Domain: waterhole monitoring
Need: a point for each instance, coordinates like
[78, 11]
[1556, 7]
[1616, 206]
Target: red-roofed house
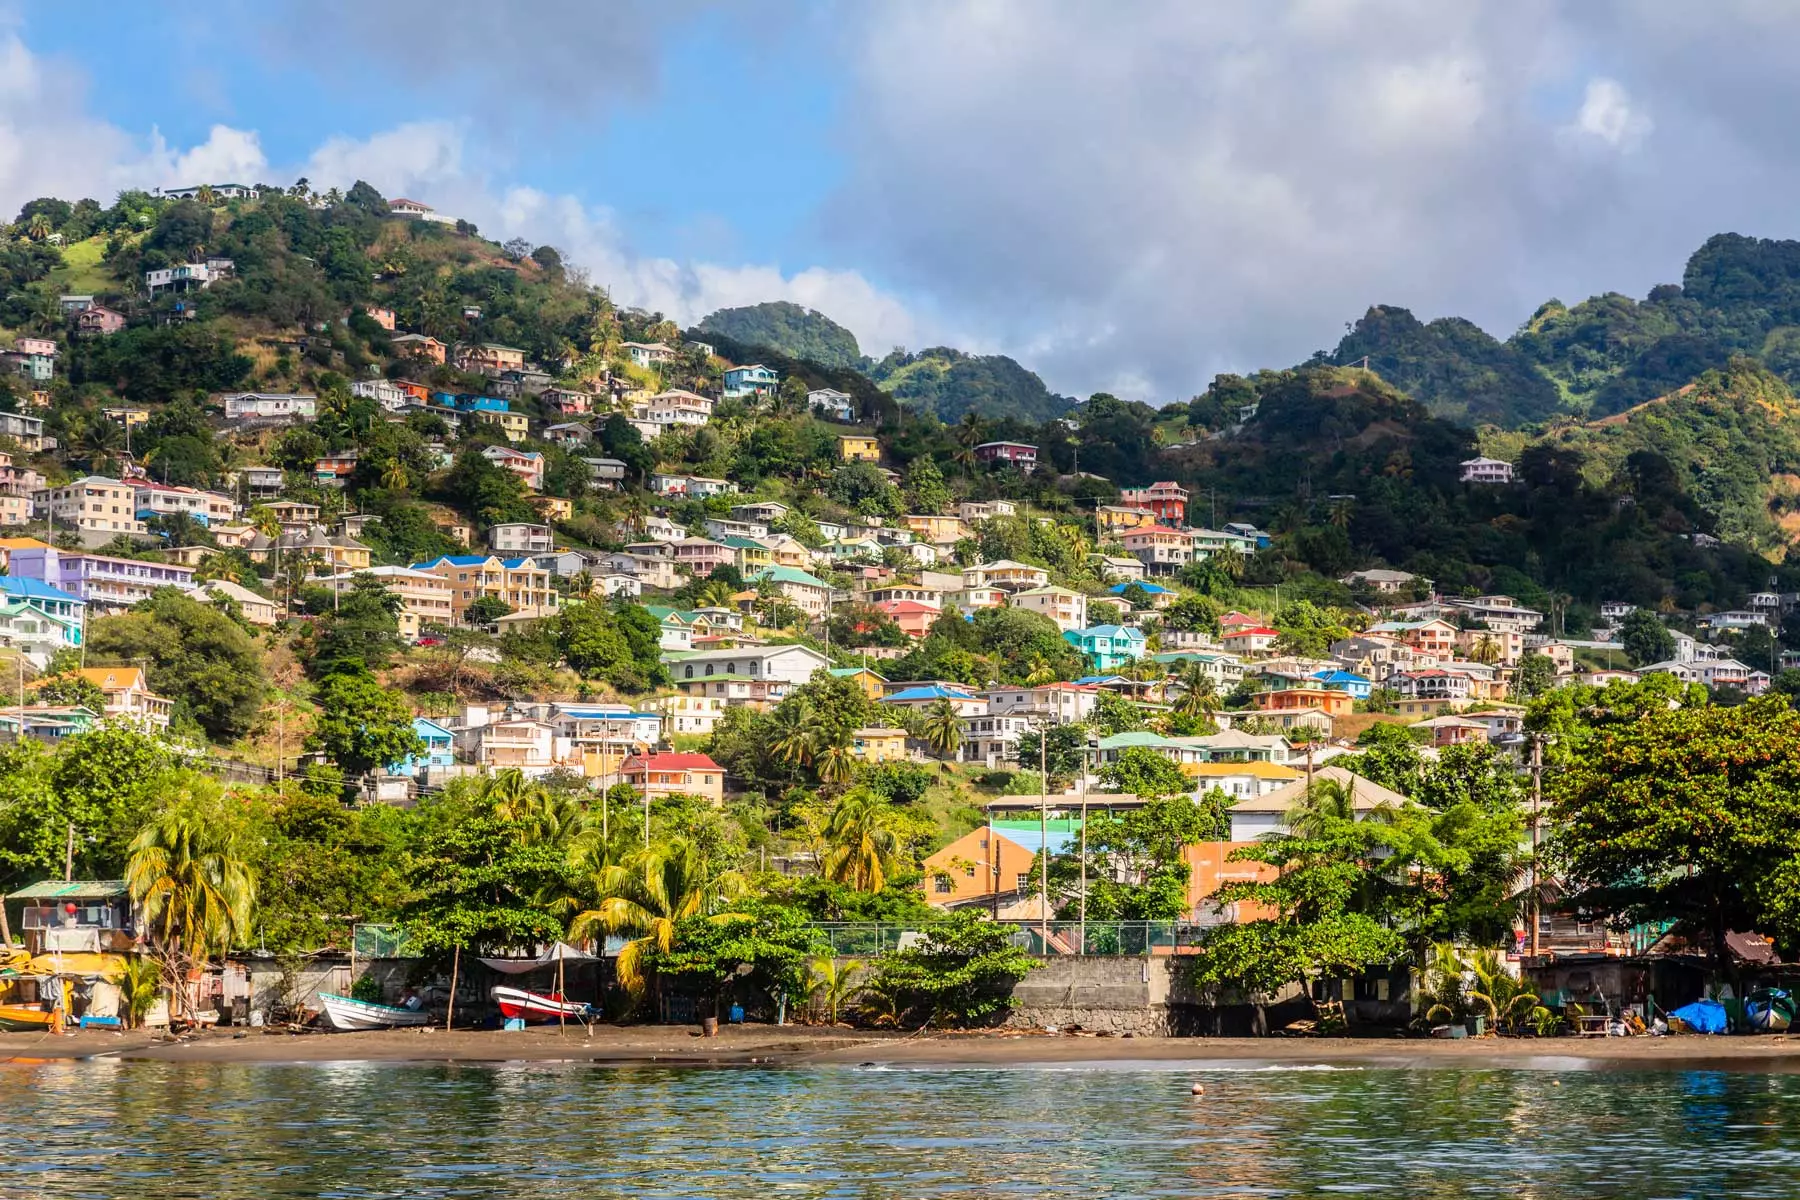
[675, 774]
[913, 618]
[1250, 639]
[1236, 620]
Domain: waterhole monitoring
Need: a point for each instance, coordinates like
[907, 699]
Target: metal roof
[76, 889]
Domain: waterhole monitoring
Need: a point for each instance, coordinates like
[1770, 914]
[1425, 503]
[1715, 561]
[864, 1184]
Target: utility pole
[1044, 837]
[1537, 797]
[69, 854]
[1082, 946]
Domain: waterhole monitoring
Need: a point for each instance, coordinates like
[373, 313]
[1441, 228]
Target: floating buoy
[1199, 1089]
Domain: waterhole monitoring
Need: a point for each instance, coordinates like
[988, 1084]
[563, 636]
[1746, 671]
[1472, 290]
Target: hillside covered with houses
[330, 487]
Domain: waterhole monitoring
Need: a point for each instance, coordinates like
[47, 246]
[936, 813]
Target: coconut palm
[512, 795]
[793, 736]
[943, 728]
[38, 227]
[1487, 649]
[1199, 695]
[195, 891]
[860, 845]
[1505, 996]
[834, 761]
[394, 477]
[1039, 672]
[830, 985]
[205, 195]
[715, 593]
[647, 895]
[218, 566]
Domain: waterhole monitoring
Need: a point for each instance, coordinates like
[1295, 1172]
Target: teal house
[440, 750]
[1108, 647]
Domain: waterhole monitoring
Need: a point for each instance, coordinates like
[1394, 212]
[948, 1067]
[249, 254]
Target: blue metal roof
[1155, 589]
[36, 589]
[926, 693]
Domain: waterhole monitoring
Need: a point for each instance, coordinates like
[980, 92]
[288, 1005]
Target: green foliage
[787, 327]
[474, 880]
[1450, 365]
[948, 383]
[360, 633]
[1113, 714]
[1144, 772]
[1645, 638]
[960, 974]
[71, 690]
[361, 725]
[193, 654]
[1136, 869]
[618, 645]
[1691, 815]
[706, 952]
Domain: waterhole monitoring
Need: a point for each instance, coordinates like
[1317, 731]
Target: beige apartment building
[93, 504]
[521, 584]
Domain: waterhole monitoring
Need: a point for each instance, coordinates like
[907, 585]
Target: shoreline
[796, 1046]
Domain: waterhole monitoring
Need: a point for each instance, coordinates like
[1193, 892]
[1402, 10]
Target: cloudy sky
[1129, 195]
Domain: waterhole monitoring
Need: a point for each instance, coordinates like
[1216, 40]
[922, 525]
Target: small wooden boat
[516, 1003]
[1769, 1010]
[343, 1013]
[23, 1018]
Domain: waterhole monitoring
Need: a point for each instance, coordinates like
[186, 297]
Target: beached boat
[1769, 1010]
[343, 1013]
[516, 1003]
[23, 1018]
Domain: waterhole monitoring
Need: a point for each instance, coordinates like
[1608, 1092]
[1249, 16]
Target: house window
[1024, 881]
[969, 872]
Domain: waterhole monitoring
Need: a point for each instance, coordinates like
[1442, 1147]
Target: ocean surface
[113, 1129]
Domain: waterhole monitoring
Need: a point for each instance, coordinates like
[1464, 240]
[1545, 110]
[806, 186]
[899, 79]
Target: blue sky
[649, 158]
[1128, 196]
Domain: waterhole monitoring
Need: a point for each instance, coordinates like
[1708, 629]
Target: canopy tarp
[1702, 1016]
[558, 952]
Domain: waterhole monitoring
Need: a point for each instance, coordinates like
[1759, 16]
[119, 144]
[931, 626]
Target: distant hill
[1738, 296]
[1452, 366]
[950, 383]
[797, 332]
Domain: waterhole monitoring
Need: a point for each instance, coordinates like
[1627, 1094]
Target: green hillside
[949, 383]
[789, 329]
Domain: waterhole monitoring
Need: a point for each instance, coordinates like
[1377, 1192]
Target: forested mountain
[949, 383]
[780, 325]
[1738, 295]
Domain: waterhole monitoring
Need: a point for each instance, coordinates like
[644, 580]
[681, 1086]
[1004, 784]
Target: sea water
[145, 1129]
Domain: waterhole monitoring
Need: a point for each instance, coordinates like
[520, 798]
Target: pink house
[1022, 455]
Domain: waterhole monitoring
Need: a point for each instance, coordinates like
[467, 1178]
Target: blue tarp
[1702, 1016]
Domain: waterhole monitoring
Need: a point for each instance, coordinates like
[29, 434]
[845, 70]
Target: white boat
[343, 1013]
[517, 1003]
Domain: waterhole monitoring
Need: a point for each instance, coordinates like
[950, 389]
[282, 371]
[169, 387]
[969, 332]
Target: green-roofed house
[1178, 752]
[808, 593]
[677, 627]
[872, 685]
[750, 556]
[103, 916]
[1108, 647]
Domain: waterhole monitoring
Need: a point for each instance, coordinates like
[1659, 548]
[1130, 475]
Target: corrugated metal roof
[74, 889]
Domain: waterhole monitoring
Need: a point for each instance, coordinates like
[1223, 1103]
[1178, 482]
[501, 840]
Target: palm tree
[1200, 694]
[205, 195]
[38, 227]
[834, 761]
[859, 843]
[1040, 672]
[218, 566]
[646, 896]
[831, 985]
[394, 477]
[512, 795]
[1487, 649]
[195, 891]
[1504, 996]
[792, 741]
[264, 521]
[100, 439]
[138, 981]
[943, 728]
[715, 593]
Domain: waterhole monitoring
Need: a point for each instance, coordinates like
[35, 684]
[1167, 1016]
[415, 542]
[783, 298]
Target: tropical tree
[138, 980]
[1199, 692]
[646, 896]
[860, 843]
[834, 761]
[831, 984]
[793, 737]
[195, 888]
[943, 728]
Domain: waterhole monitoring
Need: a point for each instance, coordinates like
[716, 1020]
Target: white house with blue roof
[66, 611]
[1358, 686]
[929, 695]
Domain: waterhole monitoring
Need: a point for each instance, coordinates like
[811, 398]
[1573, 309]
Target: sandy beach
[763, 1045]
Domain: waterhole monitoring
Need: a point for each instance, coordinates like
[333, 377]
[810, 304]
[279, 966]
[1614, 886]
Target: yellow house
[868, 682]
[856, 447]
[516, 426]
[936, 529]
[878, 745]
[1115, 519]
[553, 508]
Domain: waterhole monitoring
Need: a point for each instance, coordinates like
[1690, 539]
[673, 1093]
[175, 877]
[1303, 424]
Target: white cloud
[1607, 115]
[48, 147]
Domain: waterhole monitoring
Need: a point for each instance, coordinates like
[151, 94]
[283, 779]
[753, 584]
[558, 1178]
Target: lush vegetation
[782, 325]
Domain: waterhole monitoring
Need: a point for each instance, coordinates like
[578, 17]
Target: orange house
[675, 774]
[1210, 867]
[1330, 701]
[969, 868]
